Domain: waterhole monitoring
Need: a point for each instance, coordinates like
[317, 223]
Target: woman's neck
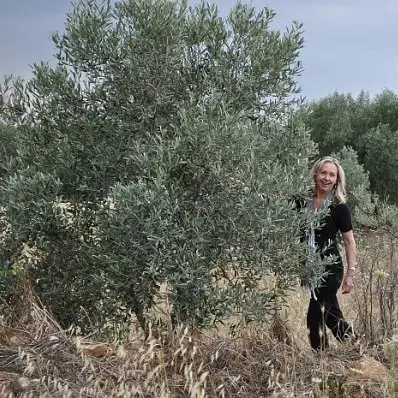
[320, 197]
[318, 200]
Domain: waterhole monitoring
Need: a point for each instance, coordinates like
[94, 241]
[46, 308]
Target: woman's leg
[325, 311]
[321, 304]
[335, 322]
[316, 325]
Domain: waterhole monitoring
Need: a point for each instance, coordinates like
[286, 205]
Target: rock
[363, 374]
[20, 384]
[12, 384]
[367, 368]
[11, 337]
[15, 341]
[95, 349]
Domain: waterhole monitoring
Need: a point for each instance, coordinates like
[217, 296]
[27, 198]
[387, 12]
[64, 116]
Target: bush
[159, 151]
[359, 198]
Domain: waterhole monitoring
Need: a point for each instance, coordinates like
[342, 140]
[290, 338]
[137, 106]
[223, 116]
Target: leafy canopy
[158, 157]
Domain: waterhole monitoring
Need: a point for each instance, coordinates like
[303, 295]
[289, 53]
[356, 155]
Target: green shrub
[159, 151]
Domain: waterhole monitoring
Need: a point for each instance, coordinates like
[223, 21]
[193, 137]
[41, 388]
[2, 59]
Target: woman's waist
[329, 245]
[329, 251]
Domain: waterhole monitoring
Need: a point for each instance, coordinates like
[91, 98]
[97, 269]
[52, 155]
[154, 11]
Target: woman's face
[326, 178]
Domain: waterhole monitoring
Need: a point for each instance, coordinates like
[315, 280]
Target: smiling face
[326, 178]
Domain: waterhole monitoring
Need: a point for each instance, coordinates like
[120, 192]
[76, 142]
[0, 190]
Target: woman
[329, 191]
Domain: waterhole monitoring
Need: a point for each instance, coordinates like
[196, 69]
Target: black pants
[324, 310]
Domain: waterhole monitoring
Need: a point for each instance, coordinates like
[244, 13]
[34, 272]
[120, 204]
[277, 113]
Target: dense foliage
[157, 158]
[369, 126]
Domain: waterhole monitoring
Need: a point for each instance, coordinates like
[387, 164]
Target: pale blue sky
[349, 44]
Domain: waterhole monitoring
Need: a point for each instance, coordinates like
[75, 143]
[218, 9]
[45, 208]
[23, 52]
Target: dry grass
[38, 359]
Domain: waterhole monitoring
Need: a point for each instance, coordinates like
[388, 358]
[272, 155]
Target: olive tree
[158, 160]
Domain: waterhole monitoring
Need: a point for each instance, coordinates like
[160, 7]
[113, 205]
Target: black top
[337, 219]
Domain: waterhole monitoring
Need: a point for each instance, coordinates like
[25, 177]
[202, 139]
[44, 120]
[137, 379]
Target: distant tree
[384, 110]
[158, 151]
[369, 126]
[329, 121]
[380, 154]
[359, 194]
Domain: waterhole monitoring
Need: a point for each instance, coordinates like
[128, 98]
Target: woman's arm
[351, 255]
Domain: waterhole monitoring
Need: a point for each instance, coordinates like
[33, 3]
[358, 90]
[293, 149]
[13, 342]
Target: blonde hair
[339, 192]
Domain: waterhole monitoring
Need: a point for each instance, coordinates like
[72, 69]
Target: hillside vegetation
[150, 243]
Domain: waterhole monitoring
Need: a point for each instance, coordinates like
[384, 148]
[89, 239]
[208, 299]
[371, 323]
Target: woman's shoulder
[341, 208]
[340, 205]
[342, 216]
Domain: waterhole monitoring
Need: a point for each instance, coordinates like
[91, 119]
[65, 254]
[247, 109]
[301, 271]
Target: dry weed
[38, 359]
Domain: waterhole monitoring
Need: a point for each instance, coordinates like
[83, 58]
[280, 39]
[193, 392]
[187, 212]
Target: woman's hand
[348, 284]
